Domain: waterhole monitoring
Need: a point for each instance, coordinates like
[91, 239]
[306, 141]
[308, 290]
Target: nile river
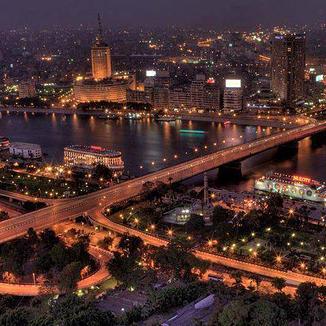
[148, 145]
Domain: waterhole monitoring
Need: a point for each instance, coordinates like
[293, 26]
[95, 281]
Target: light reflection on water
[142, 142]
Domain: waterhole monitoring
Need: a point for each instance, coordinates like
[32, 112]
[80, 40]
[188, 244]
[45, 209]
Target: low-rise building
[89, 156]
[110, 90]
[26, 150]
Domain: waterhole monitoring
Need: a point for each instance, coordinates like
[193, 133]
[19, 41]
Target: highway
[61, 210]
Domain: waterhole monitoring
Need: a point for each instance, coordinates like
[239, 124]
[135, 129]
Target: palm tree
[278, 283]
[257, 280]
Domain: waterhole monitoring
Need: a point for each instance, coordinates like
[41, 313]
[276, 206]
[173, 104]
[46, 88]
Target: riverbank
[243, 119]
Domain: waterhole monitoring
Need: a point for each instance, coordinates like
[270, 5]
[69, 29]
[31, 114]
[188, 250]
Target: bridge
[70, 208]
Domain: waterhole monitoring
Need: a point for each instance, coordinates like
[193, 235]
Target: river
[148, 145]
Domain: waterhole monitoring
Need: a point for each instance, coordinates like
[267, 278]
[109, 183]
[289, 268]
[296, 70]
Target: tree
[74, 311]
[235, 313]
[306, 298]
[278, 283]
[196, 223]
[3, 216]
[15, 254]
[264, 312]
[15, 317]
[125, 269]
[48, 239]
[105, 243]
[257, 278]
[285, 302]
[59, 255]
[177, 259]
[221, 215]
[69, 276]
[274, 205]
[125, 265]
[32, 236]
[102, 172]
[131, 246]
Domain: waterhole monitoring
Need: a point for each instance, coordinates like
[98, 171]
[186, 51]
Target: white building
[90, 156]
[26, 150]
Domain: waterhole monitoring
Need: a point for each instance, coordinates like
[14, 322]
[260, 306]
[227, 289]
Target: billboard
[319, 78]
[233, 83]
[150, 73]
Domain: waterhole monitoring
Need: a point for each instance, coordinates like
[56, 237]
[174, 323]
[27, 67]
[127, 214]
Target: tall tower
[101, 56]
[288, 64]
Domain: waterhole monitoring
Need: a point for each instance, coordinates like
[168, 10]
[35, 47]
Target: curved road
[102, 256]
[292, 278]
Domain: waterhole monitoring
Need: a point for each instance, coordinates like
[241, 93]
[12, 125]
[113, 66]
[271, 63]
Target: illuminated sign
[96, 148]
[211, 80]
[150, 73]
[233, 83]
[301, 179]
[319, 78]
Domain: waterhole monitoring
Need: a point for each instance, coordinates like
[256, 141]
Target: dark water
[144, 142]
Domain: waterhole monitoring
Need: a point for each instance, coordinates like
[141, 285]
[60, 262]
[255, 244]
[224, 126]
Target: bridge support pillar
[287, 149]
[318, 140]
[230, 171]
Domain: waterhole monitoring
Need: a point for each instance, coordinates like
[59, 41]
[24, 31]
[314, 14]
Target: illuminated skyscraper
[288, 64]
[101, 56]
[233, 95]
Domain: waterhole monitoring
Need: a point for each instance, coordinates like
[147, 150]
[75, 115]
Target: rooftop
[94, 150]
[26, 146]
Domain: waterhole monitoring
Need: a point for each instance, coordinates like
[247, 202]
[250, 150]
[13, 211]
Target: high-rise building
[101, 56]
[233, 95]
[200, 95]
[288, 64]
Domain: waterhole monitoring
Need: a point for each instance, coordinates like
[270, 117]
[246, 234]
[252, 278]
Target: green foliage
[234, 314]
[124, 266]
[125, 269]
[310, 304]
[15, 254]
[73, 311]
[102, 171]
[163, 300]
[259, 313]
[69, 277]
[196, 223]
[105, 243]
[3, 216]
[16, 317]
[131, 246]
[278, 283]
[266, 313]
[177, 259]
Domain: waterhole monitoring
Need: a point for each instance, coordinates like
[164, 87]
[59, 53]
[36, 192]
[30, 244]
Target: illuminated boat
[191, 131]
[4, 143]
[165, 118]
[293, 186]
[133, 116]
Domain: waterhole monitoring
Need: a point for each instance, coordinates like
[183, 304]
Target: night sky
[152, 13]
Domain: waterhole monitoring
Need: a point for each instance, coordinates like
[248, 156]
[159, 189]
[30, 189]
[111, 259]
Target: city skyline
[163, 162]
[215, 14]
